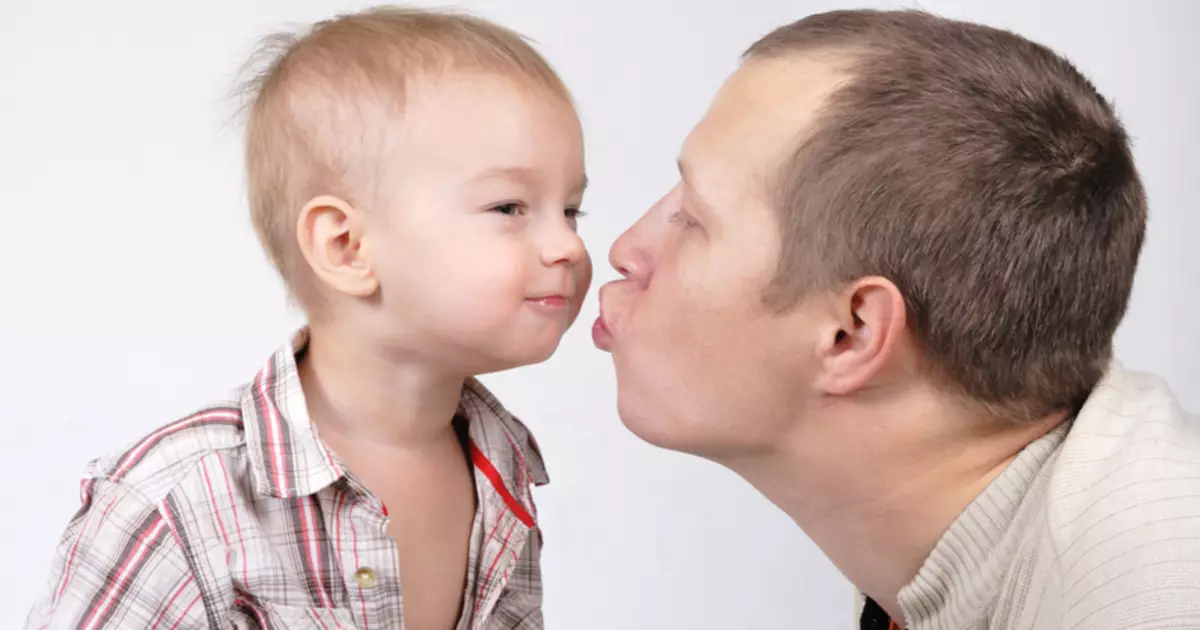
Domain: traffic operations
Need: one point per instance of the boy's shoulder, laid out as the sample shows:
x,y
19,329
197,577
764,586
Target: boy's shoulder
x,y
158,461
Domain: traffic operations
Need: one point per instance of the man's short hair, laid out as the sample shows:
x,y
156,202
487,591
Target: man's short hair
x,y
987,178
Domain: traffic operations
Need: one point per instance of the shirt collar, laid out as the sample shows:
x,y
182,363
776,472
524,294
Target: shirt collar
x,y
288,458
501,443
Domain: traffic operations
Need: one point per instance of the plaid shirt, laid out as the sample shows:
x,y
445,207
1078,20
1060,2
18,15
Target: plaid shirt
x,y
239,516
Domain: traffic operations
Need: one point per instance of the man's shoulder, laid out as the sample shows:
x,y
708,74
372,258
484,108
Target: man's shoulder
x,y
1130,437
156,462
1123,501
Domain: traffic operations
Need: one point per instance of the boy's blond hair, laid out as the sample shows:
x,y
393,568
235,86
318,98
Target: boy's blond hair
x,y
320,101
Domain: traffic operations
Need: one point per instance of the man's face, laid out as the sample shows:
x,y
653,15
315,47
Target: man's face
x,y
702,364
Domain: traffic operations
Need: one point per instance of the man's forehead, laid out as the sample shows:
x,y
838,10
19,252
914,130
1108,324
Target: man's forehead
x,y
765,108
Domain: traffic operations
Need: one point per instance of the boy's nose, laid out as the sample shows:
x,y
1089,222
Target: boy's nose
x,y
564,247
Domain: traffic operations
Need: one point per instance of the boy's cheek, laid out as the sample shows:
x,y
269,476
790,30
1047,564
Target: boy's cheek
x,y
583,283
583,276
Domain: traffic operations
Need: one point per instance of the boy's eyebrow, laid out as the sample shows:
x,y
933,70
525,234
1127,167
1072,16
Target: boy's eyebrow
x,y
506,172
524,175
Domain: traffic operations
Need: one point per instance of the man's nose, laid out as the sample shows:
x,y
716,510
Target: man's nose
x,y
627,256
633,253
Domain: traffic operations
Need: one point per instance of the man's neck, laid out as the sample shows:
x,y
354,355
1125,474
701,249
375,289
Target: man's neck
x,y
359,395
876,488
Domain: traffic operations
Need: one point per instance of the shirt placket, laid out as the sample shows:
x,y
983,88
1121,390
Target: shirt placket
x,y
367,556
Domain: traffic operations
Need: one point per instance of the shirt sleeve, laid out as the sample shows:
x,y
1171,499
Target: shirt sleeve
x,y
118,565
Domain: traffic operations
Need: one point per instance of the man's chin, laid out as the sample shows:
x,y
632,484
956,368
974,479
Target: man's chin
x,y
673,433
656,429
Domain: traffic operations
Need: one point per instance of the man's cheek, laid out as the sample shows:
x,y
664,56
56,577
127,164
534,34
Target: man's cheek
x,y
664,317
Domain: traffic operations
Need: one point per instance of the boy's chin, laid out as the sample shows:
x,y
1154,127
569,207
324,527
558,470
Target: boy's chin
x,y
510,358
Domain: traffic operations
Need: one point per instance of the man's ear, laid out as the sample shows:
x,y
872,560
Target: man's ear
x,y
867,329
330,235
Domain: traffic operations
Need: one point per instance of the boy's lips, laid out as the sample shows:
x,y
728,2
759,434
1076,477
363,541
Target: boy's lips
x,y
550,302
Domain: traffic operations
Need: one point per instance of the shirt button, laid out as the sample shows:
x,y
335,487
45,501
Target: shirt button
x,y
365,577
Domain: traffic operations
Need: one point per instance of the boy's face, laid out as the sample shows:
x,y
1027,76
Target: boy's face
x,y
474,241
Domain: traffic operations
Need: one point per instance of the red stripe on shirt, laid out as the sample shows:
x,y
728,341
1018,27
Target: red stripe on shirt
x,y
309,531
312,613
85,490
487,580
237,522
483,583
212,496
128,564
138,452
489,471
274,429
163,613
244,603
187,610
329,459
171,512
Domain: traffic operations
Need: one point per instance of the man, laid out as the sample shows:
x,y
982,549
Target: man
x,y
885,292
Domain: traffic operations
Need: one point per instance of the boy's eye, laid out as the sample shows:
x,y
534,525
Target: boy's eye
x,y
509,209
574,213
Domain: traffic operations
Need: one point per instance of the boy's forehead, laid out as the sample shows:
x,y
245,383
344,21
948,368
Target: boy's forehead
x,y
486,126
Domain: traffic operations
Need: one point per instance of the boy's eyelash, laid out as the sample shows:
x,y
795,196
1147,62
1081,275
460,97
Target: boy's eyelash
x,y
514,208
508,209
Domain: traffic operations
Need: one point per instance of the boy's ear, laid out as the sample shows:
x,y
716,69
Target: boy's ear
x,y
862,337
329,232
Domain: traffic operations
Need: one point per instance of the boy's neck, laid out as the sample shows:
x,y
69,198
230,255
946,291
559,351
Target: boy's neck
x,y
357,395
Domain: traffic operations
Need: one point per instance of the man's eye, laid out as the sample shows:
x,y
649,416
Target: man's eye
x,y
683,219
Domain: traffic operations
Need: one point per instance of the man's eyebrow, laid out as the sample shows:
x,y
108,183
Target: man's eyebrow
x,y
689,180
685,171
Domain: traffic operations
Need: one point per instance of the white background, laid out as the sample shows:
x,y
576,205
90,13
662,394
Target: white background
x,y
134,291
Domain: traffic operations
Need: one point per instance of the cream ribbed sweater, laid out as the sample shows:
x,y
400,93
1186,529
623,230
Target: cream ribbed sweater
x,y
1095,526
